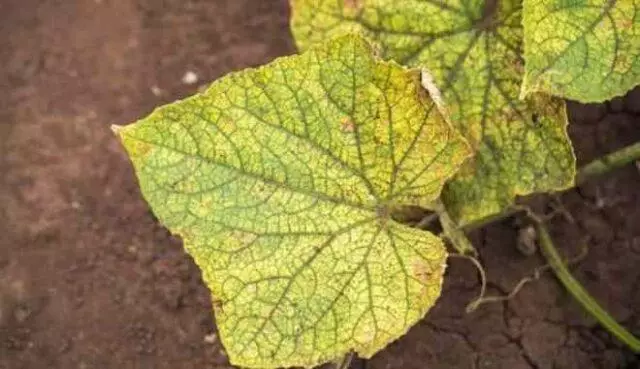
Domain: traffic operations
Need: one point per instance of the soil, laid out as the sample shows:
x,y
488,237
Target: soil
x,y
88,279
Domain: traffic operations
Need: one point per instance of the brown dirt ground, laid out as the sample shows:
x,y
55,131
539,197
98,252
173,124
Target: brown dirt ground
x,y
88,279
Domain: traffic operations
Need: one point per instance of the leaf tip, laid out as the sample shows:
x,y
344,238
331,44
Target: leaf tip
x,y
116,129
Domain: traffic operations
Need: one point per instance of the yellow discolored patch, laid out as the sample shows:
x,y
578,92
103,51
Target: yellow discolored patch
x,y
143,148
228,125
137,149
245,238
623,64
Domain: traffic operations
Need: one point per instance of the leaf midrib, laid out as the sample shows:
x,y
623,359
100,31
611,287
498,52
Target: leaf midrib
x,y
266,180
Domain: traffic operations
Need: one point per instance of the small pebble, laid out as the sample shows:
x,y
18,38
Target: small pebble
x,y
527,240
157,91
210,338
190,78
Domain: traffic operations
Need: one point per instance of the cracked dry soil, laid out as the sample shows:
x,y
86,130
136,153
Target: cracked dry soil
x,y
88,279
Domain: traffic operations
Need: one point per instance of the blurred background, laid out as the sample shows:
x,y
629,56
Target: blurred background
x,y
89,279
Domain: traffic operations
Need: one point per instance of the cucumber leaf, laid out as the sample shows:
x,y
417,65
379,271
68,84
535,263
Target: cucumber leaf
x,y
281,182
473,50
586,50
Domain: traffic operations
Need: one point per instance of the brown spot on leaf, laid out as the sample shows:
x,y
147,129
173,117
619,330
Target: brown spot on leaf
x,y
347,125
423,271
353,4
426,274
218,305
518,65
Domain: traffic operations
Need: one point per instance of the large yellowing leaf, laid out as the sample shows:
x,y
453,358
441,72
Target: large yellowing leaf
x,y
586,50
473,50
281,181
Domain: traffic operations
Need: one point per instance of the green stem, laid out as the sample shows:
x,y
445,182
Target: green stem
x,y
609,162
453,232
579,293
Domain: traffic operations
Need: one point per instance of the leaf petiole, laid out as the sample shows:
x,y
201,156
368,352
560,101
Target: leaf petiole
x,y
609,162
454,233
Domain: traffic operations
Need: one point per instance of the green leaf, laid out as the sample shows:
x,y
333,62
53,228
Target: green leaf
x,y
473,50
586,50
281,181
